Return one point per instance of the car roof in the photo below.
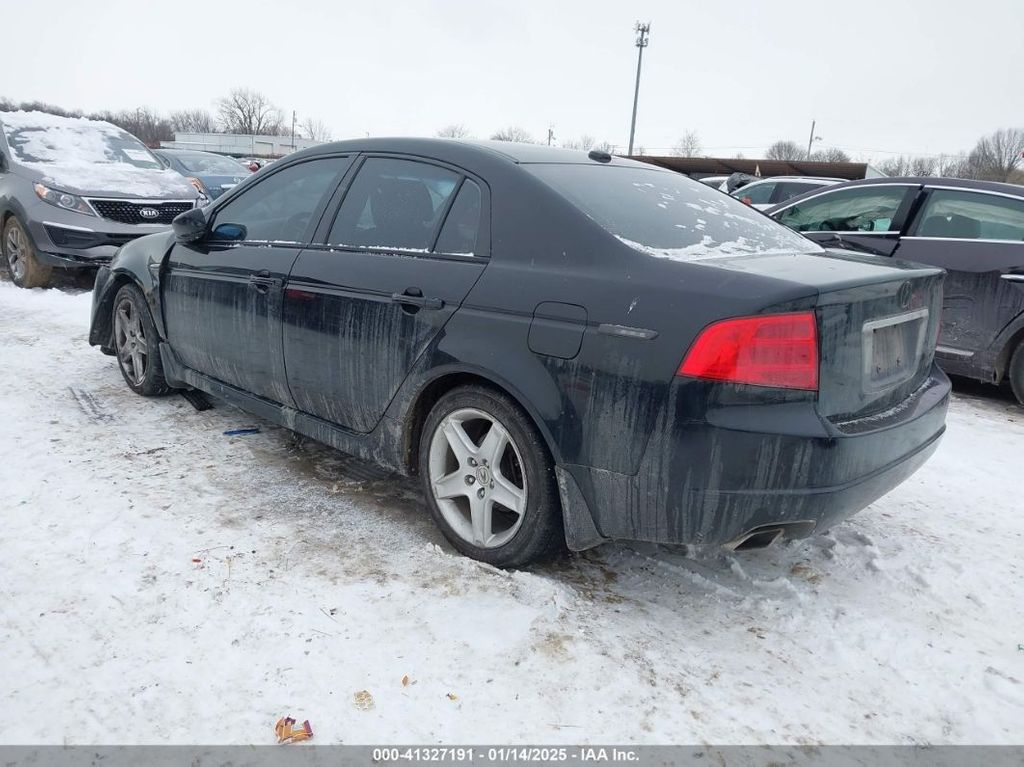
(963, 183)
(511, 151)
(183, 152)
(820, 179)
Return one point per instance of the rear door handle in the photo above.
(421, 302)
(1013, 277)
(262, 282)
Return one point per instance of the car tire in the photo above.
(507, 517)
(136, 343)
(20, 257)
(1016, 372)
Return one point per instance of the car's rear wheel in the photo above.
(22, 263)
(489, 479)
(136, 343)
(1016, 373)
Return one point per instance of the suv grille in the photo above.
(131, 212)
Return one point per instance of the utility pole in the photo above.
(551, 135)
(643, 32)
(810, 140)
(293, 130)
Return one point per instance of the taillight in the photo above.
(778, 350)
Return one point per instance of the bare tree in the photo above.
(896, 166)
(316, 130)
(830, 155)
(143, 123)
(923, 166)
(688, 146)
(514, 133)
(785, 150)
(996, 156)
(953, 166)
(251, 113)
(455, 130)
(584, 143)
(193, 121)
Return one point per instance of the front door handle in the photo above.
(262, 282)
(413, 297)
(1013, 277)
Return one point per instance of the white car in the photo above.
(771, 191)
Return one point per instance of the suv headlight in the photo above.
(63, 200)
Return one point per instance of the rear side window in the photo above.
(856, 209)
(971, 216)
(755, 194)
(789, 189)
(462, 227)
(666, 214)
(281, 206)
(393, 204)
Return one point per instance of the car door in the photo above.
(409, 240)
(977, 236)
(222, 295)
(864, 217)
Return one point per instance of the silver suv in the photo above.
(73, 190)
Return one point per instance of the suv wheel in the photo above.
(489, 480)
(136, 343)
(24, 267)
(1016, 373)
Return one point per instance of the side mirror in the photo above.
(230, 232)
(190, 225)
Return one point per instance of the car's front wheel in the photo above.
(489, 479)
(136, 343)
(22, 263)
(1016, 374)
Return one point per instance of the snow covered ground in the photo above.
(162, 582)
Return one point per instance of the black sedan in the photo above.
(567, 347)
(972, 229)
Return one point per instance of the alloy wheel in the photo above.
(477, 477)
(15, 253)
(130, 342)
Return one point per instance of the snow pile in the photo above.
(159, 573)
(78, 155)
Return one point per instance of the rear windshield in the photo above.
(666, 214)
(211, 164)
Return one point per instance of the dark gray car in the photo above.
(73, 190)
(972, 229)
(211, 174)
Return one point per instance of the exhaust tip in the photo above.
(763, 536)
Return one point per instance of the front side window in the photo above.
(393, 204)
(856, 209)
(280, 208)
(756, 194)
(971, 216)
(667, 215)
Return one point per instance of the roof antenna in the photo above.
(599, 155)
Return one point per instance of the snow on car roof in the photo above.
(88, 156)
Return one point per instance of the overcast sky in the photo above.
(879, 76)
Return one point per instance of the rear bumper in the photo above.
(711, 481)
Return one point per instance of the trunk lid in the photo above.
(877, 325)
